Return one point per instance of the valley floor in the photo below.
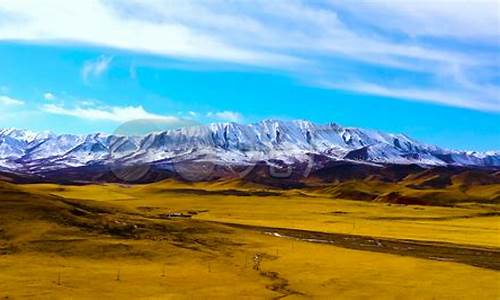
(172, 240)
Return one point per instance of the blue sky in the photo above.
(427, 69)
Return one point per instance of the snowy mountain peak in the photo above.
(289, 141)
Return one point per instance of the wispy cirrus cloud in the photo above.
(335, 41)
(426, 95)
(114, 24)
(95, 68)
(474, 20)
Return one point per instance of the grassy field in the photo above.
(466, 224)
(167, 240)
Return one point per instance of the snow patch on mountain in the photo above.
(227, 143)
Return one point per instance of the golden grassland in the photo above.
(124, 242)
(465, 224)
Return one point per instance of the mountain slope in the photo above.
(272, 141)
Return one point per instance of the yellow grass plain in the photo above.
(198, 258)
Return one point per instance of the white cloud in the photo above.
(308, 38)
(6, 100)
(88, 103)
(225, 116)
(95, 68)
(107, 113)
(49, 96)
(477, 20)
(426, 95)
(109, 23)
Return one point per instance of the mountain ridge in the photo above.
(287, 142)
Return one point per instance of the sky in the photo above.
(429, 69)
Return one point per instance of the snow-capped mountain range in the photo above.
(226, 143)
